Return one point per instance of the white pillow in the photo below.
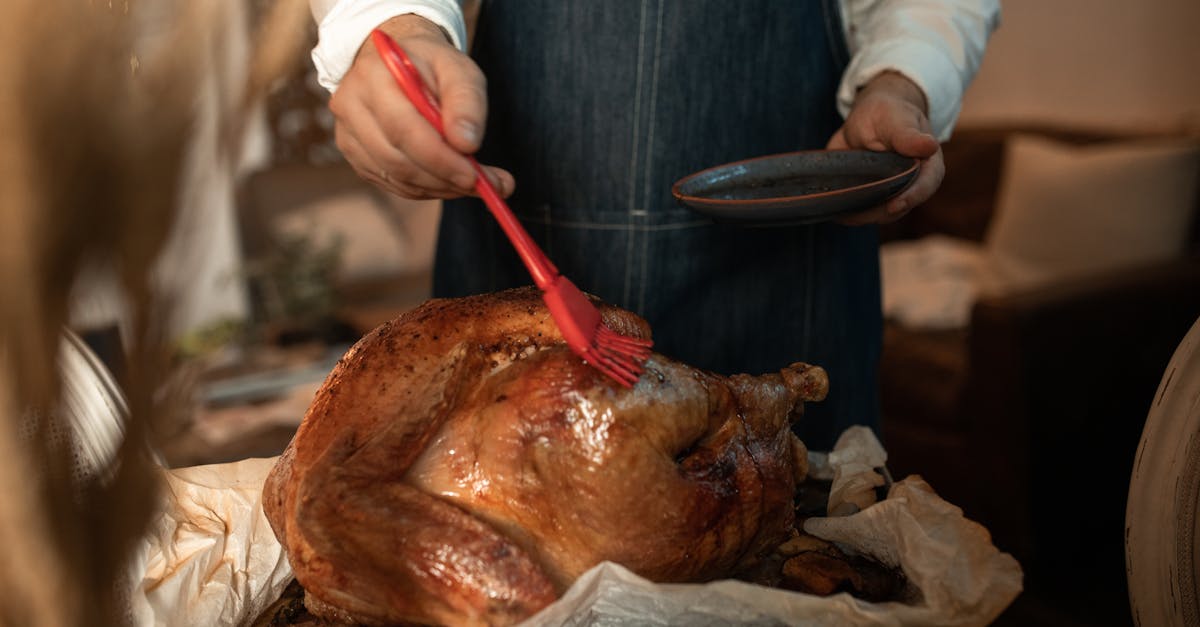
(1066, 211)
(932, 282)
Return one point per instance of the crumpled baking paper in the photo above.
(854, 466)
(213, 560)
(210, 557)
(957, 578)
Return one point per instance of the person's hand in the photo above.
(889, 113)
(386, 140)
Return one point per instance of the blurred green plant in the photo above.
(211, 338)
(293, 285)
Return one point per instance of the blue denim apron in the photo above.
(597, 107)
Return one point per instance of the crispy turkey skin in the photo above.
(461, 465)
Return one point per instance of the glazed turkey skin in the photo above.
(461, 465)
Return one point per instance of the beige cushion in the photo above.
(1066, 211)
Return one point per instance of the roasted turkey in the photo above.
(461, 465)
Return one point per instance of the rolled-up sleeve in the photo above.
(938, 44)
(343, 25)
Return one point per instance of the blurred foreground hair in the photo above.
(97, 101)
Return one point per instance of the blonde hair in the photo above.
(97, 100)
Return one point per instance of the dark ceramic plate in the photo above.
(796, 187)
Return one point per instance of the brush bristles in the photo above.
(635, 347)
(618, 356)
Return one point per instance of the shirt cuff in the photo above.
(924, 64)
(344, 29)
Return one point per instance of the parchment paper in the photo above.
(957, 577)
(210, 557)
(213, 560)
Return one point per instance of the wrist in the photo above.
(413, 25)
(409, 25)
(893, 84)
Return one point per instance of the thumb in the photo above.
(838, 141)
(462, 91)
(913, 142)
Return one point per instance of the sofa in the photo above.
(1029, 412)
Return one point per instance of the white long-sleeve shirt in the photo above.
(938, 44)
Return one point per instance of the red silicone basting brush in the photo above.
(616, 355)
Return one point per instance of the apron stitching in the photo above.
(633, 160)
(642, 228)
(637, 108)
(646, 198)
(649, 160)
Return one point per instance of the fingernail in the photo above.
(468, 132)
(464, 182)
(499, 185)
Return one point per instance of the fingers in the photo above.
(458, 84)
(403, 178)
(411, 149)
(911, 141)
(889, 114)
(462, 90)
(385, 138)
(888, 124)
(501, 179)
(369, 170)
(929, 178)
(875, 215)
(838, 141)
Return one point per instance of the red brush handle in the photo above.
(406, 74)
